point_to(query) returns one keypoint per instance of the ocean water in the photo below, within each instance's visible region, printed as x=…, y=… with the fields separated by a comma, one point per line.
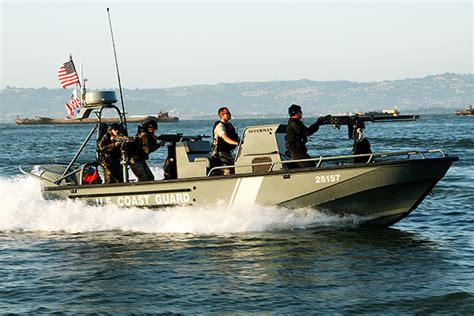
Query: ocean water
x=67, y=257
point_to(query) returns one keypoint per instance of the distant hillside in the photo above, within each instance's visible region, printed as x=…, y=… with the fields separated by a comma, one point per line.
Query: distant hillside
x=431, y=94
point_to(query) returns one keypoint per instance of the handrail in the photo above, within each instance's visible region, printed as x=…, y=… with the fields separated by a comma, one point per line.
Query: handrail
x=32, y=174
x=84, y=143
x=56, y=181
x=69, y=174
x=321, y=159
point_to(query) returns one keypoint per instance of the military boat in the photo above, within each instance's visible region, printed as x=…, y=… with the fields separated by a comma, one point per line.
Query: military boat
x=386, y=112
x=379, y=188
x=160, y=117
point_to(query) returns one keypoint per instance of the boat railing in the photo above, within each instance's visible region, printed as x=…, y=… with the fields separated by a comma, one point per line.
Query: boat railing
x=340, y=160
x=79, y=168
x=319, y=162
x=43, y=165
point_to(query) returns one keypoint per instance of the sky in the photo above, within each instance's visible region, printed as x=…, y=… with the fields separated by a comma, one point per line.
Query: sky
x=168, y=44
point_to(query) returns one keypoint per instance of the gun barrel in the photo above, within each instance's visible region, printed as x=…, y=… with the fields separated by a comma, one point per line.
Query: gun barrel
x=354, y=122
x=173, y=138
x=384, y=118
x=339, y=120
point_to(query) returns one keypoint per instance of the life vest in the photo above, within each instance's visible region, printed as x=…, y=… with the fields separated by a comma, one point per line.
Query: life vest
x=90, y=176
x=219, y=144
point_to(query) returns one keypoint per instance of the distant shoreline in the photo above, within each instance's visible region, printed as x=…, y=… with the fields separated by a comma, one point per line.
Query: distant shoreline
x=442, y=93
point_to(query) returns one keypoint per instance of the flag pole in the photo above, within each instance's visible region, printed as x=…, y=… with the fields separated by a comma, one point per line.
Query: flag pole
x=74, y=67
x=116, y=66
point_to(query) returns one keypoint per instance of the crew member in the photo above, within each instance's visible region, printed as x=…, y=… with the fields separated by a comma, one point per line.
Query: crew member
x=145, y=143
x=225, y=141
x=297, y=137
x=361, y=144
x=110, y=154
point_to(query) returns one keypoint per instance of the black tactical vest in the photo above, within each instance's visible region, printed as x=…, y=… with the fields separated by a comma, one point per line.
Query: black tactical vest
x=219, y=145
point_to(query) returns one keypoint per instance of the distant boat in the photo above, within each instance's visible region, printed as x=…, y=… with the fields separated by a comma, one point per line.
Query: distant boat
x=468, y=112
x=387, y=112
x=160, y=117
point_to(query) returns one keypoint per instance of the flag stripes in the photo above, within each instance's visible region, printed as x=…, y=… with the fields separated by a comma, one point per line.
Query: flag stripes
x=72, y=105
x=67, y=75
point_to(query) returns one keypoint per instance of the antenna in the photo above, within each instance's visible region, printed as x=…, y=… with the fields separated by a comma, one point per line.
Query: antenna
x=118, y=74
x=83, y=90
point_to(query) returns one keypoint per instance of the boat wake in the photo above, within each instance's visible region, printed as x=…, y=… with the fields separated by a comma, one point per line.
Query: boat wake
x=24, y=209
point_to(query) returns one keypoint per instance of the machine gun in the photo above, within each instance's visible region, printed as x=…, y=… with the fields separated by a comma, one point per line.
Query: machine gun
x=123, y=139
x=174, y=138
x=127, y=141
x=356, y=123
x=127, y=144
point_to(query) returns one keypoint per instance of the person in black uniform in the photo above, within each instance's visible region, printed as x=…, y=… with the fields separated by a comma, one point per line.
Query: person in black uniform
x=297, y=137
x=225, y=141
x=110, y=154
x=145, y=143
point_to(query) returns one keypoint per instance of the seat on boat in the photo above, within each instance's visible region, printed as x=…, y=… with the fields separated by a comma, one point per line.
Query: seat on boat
x=193, y=158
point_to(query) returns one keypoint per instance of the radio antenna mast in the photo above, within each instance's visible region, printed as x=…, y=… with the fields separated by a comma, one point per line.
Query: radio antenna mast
x=117, y=67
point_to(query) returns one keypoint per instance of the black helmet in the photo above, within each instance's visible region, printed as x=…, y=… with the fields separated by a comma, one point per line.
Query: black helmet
x=117, y=127
x=150, y=122
x=294, y=109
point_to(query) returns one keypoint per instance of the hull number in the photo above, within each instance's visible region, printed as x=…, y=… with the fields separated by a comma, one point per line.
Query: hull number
x=327, y=178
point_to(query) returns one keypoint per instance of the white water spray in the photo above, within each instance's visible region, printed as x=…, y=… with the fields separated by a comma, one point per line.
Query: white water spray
x=23, y=208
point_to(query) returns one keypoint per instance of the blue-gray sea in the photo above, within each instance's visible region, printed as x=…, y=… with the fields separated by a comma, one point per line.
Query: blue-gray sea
x=67, y=257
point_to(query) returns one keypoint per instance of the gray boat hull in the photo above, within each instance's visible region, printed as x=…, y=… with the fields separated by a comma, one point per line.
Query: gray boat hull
x=380, y=193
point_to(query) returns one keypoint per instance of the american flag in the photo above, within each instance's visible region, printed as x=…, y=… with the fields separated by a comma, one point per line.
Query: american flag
x=72, y=106
x=67, y=75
